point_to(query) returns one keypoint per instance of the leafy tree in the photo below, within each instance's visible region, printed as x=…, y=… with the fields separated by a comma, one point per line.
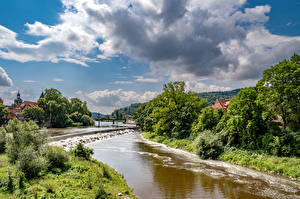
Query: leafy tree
x=279, y=91
x=172, y=112
x=34, y=113
x=3, y=114
x=245, y=124
x=207, y=120
x=78, y=106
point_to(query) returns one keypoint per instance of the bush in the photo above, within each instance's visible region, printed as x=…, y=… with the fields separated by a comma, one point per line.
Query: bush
x=87, y=121
x=208, y=145
x=2, y=139
x=31, y=163
x=82, y=151
x=57, y=157
x=21, y=136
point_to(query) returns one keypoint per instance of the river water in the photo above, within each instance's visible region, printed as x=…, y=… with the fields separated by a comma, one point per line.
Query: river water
x=155, y=171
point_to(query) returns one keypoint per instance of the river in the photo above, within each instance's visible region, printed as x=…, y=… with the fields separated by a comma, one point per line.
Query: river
x=155, y=171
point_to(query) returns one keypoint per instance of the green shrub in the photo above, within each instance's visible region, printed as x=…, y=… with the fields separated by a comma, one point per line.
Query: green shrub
x=208, y=145
x=87, y=121
x=57, y=157
x=82, y=151
x=2, y=139
x=22, y=135
x=31, y=163
x=10, y=183
x=76, y=124
x=101, y=193
x=21, y=180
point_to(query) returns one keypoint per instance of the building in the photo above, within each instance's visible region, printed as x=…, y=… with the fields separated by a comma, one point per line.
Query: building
x=15, y=110
x=221, y=104
x=1, y=101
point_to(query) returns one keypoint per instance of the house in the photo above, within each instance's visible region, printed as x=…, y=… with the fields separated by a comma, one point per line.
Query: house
x=221, y=104
x=15, y=110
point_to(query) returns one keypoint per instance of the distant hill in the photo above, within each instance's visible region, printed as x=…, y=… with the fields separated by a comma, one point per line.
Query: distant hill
x=95, y=115
x=128, y=110
x=212, y=96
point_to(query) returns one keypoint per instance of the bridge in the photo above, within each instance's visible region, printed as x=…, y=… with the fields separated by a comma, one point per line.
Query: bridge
x=113, y=120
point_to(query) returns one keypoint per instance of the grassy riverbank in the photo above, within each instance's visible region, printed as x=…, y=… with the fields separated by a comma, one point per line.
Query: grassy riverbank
x=285, y=166
x=80, y=179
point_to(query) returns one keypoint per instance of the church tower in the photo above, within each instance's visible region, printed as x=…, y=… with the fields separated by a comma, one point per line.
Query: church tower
x=18, y=101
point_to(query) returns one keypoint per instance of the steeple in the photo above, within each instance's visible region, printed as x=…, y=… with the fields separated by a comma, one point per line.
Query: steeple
x=42, y=94
x=18, y=101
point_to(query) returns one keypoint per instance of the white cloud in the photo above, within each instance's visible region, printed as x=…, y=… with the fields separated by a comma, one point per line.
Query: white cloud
x=200, y=87
x=5, y=79
x=29, y=81
x=106, y=101
x=57, y=79
x=219, y=39
x=123, y=82
x=143, y=79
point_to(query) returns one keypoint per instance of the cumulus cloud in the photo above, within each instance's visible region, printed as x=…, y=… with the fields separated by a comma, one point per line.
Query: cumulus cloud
x=219, y=39
x=5, y=79
x=106, y=101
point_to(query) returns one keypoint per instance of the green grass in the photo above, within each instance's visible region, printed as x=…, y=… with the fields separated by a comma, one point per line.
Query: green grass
x=81, y=179
x=285, y=166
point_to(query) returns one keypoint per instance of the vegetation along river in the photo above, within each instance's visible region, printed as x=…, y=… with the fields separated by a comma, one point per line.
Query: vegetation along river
x=156, y=171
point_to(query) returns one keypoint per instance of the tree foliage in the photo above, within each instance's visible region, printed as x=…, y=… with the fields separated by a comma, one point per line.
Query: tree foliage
x=60, y=112
x=34, y=113
x=279, y=91
x=171, y=113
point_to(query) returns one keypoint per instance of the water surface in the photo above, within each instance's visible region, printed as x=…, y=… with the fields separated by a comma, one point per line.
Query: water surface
x=154, y=171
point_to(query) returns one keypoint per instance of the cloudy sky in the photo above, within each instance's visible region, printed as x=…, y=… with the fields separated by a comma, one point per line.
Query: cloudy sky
x=112, y=53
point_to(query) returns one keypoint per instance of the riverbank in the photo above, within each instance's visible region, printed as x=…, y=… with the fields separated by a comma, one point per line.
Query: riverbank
x=284, y=166
x=80, y=179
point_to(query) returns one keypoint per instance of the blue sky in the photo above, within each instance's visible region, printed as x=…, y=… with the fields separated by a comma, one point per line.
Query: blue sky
x=111, y=54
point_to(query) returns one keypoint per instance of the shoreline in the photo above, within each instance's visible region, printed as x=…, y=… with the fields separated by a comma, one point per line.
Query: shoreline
x=269, y=177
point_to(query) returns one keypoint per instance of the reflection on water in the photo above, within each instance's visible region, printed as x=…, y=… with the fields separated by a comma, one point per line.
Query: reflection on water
x=155, y=172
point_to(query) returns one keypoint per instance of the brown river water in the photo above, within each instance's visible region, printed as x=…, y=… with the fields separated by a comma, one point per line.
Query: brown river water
x=156, y=171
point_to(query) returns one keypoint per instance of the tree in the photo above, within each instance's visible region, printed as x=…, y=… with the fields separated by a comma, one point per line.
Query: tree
x=56, y=108
x=245, y=124
x=279, y=91
x=171, y=113
x=3, y=114
x=34, y=113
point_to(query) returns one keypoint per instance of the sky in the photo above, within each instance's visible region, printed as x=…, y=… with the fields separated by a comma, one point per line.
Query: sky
x=112, y=53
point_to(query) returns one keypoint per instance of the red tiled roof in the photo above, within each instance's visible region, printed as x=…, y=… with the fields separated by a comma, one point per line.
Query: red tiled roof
x=28, y=103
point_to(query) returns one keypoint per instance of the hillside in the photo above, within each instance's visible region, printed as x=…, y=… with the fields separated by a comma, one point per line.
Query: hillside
x=212, y=96
x=128, y=110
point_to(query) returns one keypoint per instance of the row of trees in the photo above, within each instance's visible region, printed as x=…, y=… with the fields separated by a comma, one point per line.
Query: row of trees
x=59, y=111
x=249, y=122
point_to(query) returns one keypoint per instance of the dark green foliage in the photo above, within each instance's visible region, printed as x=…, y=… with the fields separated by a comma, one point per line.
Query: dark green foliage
x=211, y=97
x=245, y=123
x=101, y=193
x=61, y=112
x=31, y=163
x=57, y=157
x=34, y=113
x=207, y=120
x=21, y=180
x=123, y=112
x=10, y=182
x=171, y=113
x=23, y=135
x=2, y=139
x=279, y=91
x=208, y=145
x=87, y=120
x=82, y=151
x=3, y=114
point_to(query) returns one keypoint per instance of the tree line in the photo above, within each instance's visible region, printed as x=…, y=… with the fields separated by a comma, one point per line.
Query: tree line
x=58, y=111
x=265, y=117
